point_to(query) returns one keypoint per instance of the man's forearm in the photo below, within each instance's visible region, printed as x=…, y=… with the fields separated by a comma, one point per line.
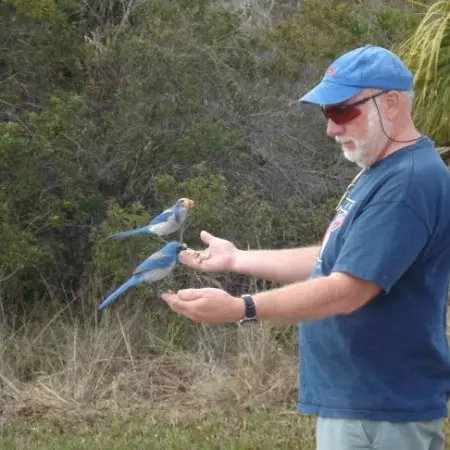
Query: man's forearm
x=281, y=266
x=314, y=299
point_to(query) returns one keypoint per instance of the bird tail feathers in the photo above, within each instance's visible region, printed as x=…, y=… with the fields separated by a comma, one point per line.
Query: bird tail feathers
x=128, y=233
x=133, y=281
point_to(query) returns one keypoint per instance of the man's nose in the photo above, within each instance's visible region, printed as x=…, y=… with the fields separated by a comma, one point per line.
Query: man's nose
x=333, y=129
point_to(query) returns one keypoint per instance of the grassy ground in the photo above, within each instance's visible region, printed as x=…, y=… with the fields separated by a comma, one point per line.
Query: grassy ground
x=134, y=381
x=265, y=429
x=256, y=430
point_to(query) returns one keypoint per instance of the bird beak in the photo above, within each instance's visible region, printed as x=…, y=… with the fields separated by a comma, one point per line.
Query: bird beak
x=188, y=203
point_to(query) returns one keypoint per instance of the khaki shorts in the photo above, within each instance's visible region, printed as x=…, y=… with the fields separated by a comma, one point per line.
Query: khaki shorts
x=351, y=434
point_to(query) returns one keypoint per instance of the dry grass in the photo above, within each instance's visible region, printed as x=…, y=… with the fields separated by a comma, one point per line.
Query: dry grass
x=73, y=368
x=133, y=378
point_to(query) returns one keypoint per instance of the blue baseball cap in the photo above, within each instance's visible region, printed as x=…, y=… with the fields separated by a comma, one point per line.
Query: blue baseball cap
x=365, y=67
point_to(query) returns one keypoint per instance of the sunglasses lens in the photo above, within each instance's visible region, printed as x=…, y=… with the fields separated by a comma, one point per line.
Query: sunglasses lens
x=341, y=115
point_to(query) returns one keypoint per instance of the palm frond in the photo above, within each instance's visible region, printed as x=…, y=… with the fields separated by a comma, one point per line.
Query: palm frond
x=427, y=54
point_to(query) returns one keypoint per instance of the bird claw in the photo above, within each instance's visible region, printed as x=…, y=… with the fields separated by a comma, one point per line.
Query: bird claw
x=165, y=291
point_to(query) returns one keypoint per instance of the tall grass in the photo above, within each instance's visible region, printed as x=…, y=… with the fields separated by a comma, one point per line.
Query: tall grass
x=55, y=361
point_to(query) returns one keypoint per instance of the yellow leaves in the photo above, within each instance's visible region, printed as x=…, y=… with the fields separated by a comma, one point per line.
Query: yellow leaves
x=55, y=219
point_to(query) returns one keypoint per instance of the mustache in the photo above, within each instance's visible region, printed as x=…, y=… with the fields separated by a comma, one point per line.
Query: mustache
x=343, y=140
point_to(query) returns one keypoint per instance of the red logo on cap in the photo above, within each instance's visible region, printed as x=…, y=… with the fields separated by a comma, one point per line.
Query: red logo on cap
x=331, y=71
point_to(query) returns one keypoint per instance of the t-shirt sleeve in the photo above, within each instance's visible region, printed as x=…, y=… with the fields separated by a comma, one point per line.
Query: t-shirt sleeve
x=382, y=243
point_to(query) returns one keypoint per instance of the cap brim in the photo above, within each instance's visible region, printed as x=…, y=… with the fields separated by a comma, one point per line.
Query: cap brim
x=326, y=93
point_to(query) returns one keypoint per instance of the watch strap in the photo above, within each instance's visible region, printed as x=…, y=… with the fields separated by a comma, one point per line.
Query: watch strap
x=250, y=309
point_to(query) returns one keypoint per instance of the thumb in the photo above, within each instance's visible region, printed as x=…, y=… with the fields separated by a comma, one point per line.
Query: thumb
x=189, y=294
x=206, y=237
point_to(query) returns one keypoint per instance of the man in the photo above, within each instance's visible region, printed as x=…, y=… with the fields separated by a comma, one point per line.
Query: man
x=371, y=302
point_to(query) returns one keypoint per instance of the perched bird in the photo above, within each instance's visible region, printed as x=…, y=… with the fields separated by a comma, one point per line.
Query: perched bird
x=156, y=267
x=169, y=221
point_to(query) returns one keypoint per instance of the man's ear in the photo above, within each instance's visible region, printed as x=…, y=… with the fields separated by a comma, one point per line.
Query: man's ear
x=392, y=104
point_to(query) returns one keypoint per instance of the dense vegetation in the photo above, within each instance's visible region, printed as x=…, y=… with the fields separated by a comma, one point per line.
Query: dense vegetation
x=112, y=110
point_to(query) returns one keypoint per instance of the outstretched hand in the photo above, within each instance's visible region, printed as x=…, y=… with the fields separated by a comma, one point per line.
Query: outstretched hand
x=207, y=305
x=219, y=256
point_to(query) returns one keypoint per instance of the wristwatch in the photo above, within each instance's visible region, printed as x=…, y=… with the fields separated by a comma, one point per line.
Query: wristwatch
x=250, y=309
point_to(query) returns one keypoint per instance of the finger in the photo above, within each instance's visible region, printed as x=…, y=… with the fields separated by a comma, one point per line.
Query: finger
x=188, y=295
x=174, y=302
x=185, y=256
x=168, y=296
x=206, y=237
x=190, y=258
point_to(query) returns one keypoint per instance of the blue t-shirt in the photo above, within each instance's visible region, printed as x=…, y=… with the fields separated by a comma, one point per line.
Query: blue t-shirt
x=388, y=360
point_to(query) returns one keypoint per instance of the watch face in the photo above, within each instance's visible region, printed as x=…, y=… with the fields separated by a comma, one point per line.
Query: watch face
x=250, y=310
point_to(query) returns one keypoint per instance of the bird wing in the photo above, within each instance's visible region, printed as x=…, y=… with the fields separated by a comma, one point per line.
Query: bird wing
x=156, y=274
x=155, y=261
x=163, y=217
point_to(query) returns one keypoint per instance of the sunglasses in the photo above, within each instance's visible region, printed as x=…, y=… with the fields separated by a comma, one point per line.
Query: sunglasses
x=341, y=114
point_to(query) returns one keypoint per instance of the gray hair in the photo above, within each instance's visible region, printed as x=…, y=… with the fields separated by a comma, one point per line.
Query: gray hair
x=409, y=95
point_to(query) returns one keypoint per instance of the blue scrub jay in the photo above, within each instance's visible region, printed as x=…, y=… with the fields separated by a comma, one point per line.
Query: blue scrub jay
x=154, y=268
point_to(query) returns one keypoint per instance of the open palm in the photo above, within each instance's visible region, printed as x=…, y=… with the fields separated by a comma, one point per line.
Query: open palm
x=220, y=255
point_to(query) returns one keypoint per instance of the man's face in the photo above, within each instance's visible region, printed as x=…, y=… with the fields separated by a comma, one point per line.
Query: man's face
x=361, y=138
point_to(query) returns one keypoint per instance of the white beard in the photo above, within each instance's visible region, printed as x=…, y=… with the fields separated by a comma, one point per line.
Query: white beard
x=365, y=152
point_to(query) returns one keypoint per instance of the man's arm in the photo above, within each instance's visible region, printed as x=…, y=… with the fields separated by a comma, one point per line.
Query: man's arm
x=281, y=266
x=338, y=293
